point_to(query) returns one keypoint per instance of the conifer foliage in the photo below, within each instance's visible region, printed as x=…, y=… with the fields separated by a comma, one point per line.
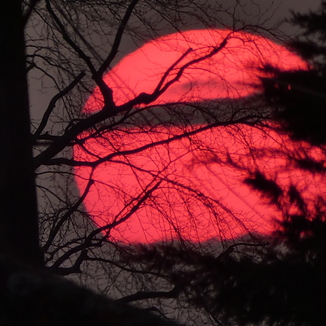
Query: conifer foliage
x=279, y=280
x=299, y=97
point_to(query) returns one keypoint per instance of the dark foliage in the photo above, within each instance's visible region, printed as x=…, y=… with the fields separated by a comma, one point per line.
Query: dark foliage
x=266, y=187
x=299, y=97
x=30, y=297
x=299, y=102
x=286, y=287
x=286, y=284
x=282, y=282
x=277, y=283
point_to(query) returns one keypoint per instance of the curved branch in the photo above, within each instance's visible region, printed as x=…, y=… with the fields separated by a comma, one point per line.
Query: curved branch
x=68, y=39
x=100, y=116
x=118, y=38
x=65, y=217
x=71, y=162
x=105, y=90
x=88, y=241
x=145, y=98
x=53, y=102
x=75, y=269
x=141, y=295
x=28, y=12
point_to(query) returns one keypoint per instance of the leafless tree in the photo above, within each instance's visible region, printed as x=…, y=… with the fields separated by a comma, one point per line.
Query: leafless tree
x=69, y=47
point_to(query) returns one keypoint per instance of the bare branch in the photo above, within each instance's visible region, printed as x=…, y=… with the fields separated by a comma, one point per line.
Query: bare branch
x=88, y=242
x=65, y=217
x=75, y=269
x=145, y=98
x=53, y=102
x=141, y=295
x=106, y=91
x=71, y=162
x=118, y=38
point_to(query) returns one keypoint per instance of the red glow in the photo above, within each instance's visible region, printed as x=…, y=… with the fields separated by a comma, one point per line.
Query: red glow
x=193, y=179
x=231, y=73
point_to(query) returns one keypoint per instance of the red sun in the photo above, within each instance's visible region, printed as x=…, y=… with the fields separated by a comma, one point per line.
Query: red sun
x=186, y=187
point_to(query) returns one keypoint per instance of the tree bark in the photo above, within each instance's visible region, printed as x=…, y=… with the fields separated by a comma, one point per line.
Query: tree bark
x=19, y=237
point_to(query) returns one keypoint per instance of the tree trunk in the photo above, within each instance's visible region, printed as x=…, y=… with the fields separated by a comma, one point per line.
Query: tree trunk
x=19, y=238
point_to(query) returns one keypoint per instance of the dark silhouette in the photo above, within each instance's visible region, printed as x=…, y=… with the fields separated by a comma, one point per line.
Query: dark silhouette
x=19, y=219
x=243, y=281
x=29, y=297
x=278, y=280
x=268, y=188
x=299, y=97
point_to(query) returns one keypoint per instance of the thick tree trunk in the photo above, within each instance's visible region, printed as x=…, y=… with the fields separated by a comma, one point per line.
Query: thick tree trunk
x=19, y=237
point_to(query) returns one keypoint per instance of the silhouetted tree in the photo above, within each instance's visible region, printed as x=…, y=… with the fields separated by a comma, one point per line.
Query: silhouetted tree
x=299, y=97
x=18, y=221
x=67, y=50
x=281, y=280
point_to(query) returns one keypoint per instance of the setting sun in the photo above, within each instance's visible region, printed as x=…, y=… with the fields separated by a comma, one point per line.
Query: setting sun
x=186, y=187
